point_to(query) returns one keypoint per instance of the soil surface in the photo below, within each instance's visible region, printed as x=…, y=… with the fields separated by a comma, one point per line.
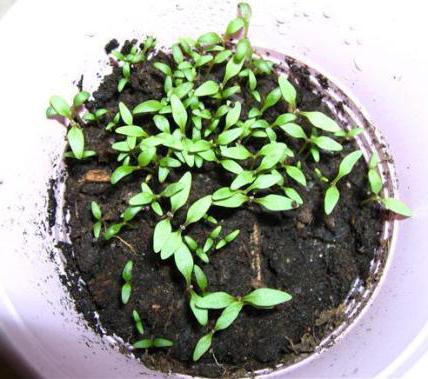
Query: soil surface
x=314, y=257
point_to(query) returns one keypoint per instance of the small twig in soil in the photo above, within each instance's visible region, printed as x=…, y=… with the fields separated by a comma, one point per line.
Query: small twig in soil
x=218, y=364
x=290, y=341
x=97, y=176
x=127, y=244
x=255, y=252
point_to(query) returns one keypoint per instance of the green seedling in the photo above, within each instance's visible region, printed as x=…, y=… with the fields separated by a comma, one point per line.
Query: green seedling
x=228, y=238
x=138, y=323
x=113, y=122
x=213, y=242
x=148, y=197
x=127, y=216
x=147, y=343
x=376, y=185
x=75, y=136
x=96, y=116
x=315, y=142
x=320, y=175
x=198, y=250
x=127, y=286
x=262, y=298
x=349, y=134
x=201, y=280
x=97, y=215
x=135, y=56
x=156, y=342
x=332, y=194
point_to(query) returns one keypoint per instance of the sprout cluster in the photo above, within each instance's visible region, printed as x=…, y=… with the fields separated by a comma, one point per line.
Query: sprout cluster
x=198, y=122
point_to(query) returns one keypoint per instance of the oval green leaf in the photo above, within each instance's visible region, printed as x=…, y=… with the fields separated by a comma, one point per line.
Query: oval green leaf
x=330, y=199
x=77, y=141
x=322, y=121
x=121, y=172
x=266, y=297
x=396, y=206
x=228, y=316
x=198, y=210
x=202, y=346
x=215, y=300
x=60, y=106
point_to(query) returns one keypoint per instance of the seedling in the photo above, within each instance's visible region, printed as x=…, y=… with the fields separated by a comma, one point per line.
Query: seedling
x=138, y=323
x=201, y=279
x=76, y=139
x=147, y=343
x=127, y=286
x=97, y=214
x=156, y=342
x=332, y=194
x=134, y=57
x=96, y=116
x=261, y=298
x=376, y=185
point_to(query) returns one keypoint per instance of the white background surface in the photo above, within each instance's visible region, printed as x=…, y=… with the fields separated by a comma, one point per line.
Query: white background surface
x=375, y=49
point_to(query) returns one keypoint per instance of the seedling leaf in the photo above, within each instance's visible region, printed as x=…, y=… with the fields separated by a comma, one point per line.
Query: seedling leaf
x=234, y=201
x=143, y=344
x=266, y=297
x=77, y=141
x=348, y=164
x=330, y=199
x=127, y=271
x=264, y=181
x=228, y=316
x=244, y=178
x=288, y=91
x=396, y=206
x=180, y=198
x=161, y=233
x=209, y=39
x=126, y=293
x=148, y=106
x=179, y=113
x=96, y=210
x=208, y=88
x=215, y=300
x=229, y=136
x=60, y=106
x=162, y=342
x=321, y=121
x=171, y=245
x=125, y=113
x=200, y=314
x=276, y=202
x=297, y=174
x=80, y=98
x=121, y=172
x=202, y=346
x=234, y=26
x=326, y=143
x=294, y=130
x=201, y=278
x=271, y=99
x=198, y=209
x=232, y=116
x=235, y=152
x=138, y=323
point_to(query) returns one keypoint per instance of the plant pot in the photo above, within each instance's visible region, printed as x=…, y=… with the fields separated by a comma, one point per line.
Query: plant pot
x=38, y=319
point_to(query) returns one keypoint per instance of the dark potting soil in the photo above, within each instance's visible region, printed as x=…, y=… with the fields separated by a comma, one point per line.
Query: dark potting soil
x=315, y=258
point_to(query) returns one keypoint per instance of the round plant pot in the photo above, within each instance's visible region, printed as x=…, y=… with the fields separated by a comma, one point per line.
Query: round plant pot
x=38, y=320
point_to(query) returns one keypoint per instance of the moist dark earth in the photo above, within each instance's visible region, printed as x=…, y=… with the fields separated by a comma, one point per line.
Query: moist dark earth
x=313, y=257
